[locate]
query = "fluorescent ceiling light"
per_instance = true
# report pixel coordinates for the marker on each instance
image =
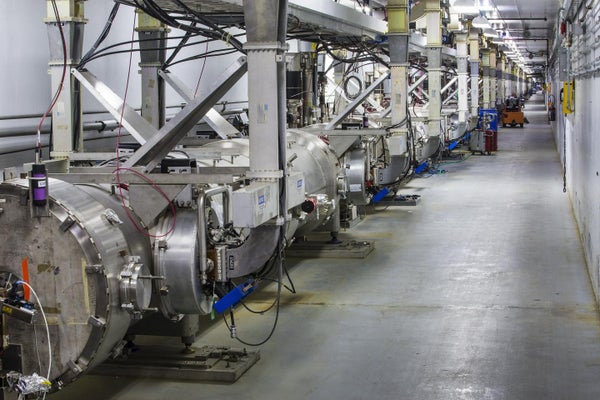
(465, 7)
(481, 21)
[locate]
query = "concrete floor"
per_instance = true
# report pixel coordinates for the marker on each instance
(479, 292)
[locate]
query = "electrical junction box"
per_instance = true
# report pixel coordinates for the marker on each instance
(255, 204)
(397, 145)
(295, 189)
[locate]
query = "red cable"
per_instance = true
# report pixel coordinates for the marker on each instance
(118, 169)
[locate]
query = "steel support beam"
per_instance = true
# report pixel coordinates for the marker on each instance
(153, 40)
(67, 133)
(136, 126)
(159, 145)
(474, 59)
(485, 67)
(462, 60)
(356, 102)
(433, 15)
(216, 121)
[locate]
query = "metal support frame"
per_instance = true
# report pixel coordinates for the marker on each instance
(340, 91)
(411, 89)
(159, 145)
(474, 59)
(462, 60)
(213, 118)
(67, 132)
(492, 74)
(434, 61)
(136, 126)
(500, 65)
(356, 102)
(485, 66)
(152, 55)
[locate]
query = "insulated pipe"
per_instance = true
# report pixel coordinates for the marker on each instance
(67, 135)
(433, 15)
(485, 67)
(474, 58)
(492, 74)
(462, 60)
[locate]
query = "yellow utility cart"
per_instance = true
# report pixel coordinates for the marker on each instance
(512, 114)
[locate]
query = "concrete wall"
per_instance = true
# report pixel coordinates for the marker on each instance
(580, 132)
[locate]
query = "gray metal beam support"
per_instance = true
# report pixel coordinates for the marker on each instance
(434, 61)
(501, 78)
(216, 121)
(474, 58)
(158, 146)
(485, 67)
(136, 126)
(493, 88)
(462, 60)
(411, 89)
(356, 102)
(266, 85)
(152, 57)
(67, 133)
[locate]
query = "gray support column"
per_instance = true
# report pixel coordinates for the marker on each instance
(500, 64)
(266, 84)
(434, 60)
(398, 39)
(474, 58)
(492, 74)
(67, 133)
(462, 60)
(153, 86)
(485, 70)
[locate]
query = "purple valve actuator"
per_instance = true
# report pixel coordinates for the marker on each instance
(38, 184)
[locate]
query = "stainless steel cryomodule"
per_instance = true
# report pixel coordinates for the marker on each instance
(96, 273)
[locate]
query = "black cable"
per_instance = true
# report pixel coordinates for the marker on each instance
(180, 46)
(101, 53)
(103, 34)
(209, 54)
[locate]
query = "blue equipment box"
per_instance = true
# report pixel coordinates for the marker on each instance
(491, 115)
